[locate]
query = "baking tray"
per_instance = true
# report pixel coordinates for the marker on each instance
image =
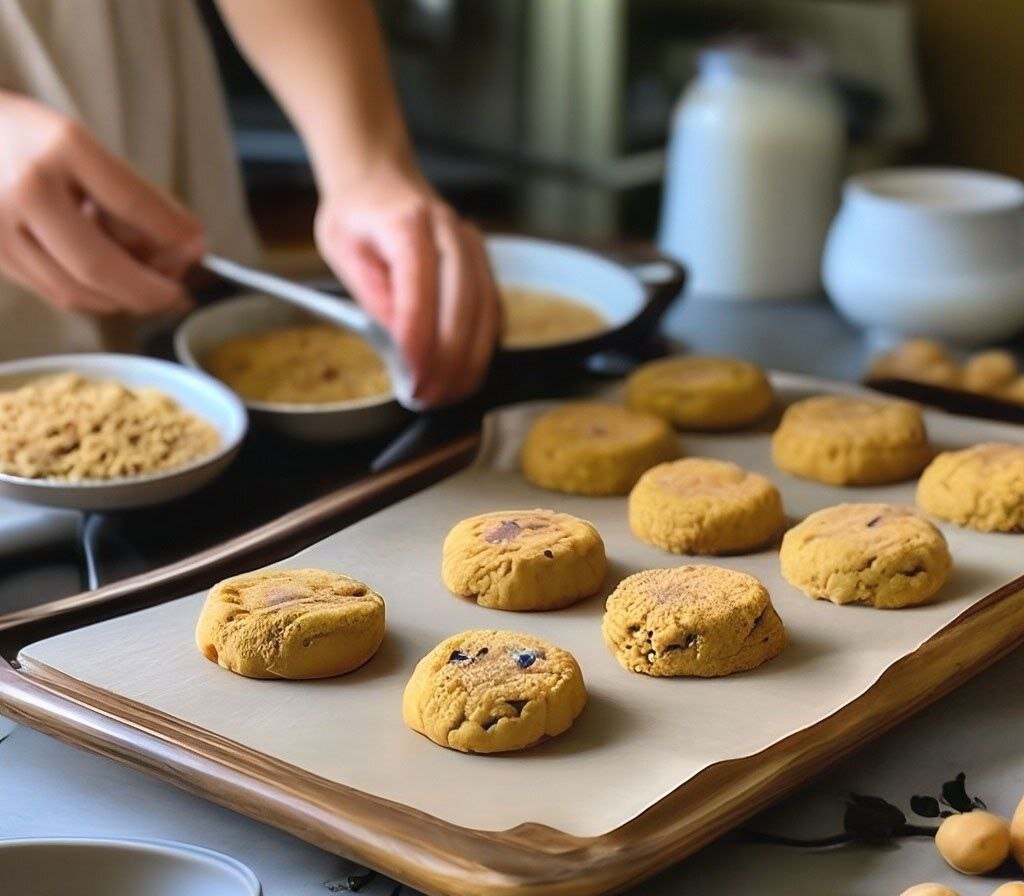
(466, 848)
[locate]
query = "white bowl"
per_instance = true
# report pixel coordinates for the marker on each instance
(929, 252)
(58, 867)
(197, 392)
(336, 421)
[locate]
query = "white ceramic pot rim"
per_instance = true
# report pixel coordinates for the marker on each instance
(937, 190)
(199, 854)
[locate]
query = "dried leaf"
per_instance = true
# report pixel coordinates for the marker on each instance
(925, 806)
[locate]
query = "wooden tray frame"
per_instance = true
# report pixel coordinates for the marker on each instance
(417, 849)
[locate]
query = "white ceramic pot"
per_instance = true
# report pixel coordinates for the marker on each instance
(929, 252)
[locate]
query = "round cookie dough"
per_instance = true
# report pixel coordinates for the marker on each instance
(523, 559)
(981, 487)
(290, 623)
(691, 620)
(701, 392)
(843, 440)
(493, 691)
(701, 506)
(875, 554)
(588, 448)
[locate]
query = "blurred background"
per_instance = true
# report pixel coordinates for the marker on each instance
(553, 116)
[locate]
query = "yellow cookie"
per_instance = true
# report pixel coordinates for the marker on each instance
(492, 691)
(842, 440)
(873, 554)
(588, 448)
(523, 559)
(290, 623)
(701, 392)
(989, 371)
(702, 506)
(691, 620)
(980, 487)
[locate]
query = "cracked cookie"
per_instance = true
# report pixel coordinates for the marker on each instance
(692, 620)
(493, 691)
(981, 487)
(523, 559)
(588, 448)
(701, 392)
(702, 506)
(290, 623)
(843, 440)
(876, 554)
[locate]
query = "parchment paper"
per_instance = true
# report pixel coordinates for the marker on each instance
(639, 737)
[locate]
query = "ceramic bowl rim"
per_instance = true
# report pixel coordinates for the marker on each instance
(1006, 193)
(143, 845)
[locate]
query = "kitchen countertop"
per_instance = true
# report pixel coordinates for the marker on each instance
(49, 789)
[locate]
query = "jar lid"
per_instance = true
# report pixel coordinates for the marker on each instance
(763, 55)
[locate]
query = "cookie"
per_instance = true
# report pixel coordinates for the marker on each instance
(702, 506)
(523, 559)
(491, 691)
(691, 620)
(989, 371)
(290, 623)
(701, 392)
(842, 440)
(980, 487)
(874, 554)
(587, 448)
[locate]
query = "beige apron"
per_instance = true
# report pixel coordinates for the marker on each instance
(141, 76)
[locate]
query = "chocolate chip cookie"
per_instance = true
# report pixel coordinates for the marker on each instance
(692, 620)
(493, 691)
(523, 559)
(876, 554)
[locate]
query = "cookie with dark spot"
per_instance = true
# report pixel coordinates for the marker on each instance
(493, 691)
(290, 623)
(523, 559)
(691, 620)
(589, 448)
(876, 554)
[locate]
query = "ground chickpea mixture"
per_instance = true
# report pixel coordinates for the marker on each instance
(65, 426)
(534, 317)
(306, 364)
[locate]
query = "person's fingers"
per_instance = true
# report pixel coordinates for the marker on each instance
(96, 261)
(450, 379)
(413, 274)
(365, 274)
(488, 330)
(38, 272)
(124, 194)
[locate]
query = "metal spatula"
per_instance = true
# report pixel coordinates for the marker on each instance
(331, 308)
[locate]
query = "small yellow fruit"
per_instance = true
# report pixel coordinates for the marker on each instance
(974, 842)
(929, 890)
(1017, 834)
(1011, 888)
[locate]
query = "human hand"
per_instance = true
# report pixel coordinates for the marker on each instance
(78, 226)
(422, 273)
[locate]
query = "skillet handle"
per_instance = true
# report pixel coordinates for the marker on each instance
(662, 276)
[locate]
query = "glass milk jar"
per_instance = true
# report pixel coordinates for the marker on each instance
(753, 172)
